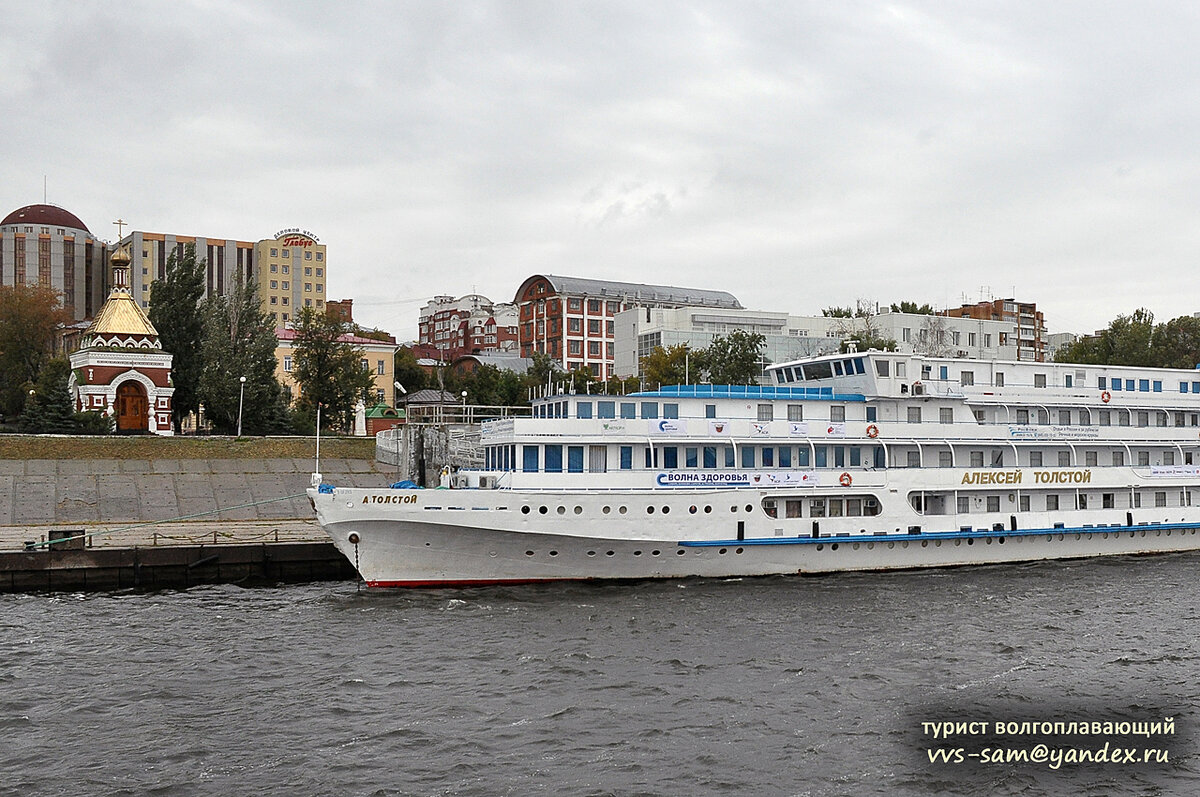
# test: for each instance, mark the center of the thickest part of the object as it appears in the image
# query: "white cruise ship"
(862, 461)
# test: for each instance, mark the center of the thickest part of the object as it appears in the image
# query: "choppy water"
(788, 686)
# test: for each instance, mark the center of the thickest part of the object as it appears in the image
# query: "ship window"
(1090, 459)
(963, 505)
(881, 368)
(943, 372)
(837, 368)
(976, 459)
(1102, 382)
(710, 456)
(1081, 501)
(839, 456)
(1052, 503)
(670, 410)
(1116, 384)
(1160, 499)
(606, 409)
(1105, 418)
(900, 369)
(796, 412)
(1161, 418)
(710, 410)
(1064, 417)
(768, 456)
(966, 378)
(554, 458)
(1108, 500)
(1035, 459)
(670, 457)
(1067, 381)
(1129, 384)
(626, 457)
(1064, 459)
(1039, 380)
(792, 508)
(998, 458)
(998, 379)
(730, 462)
(1143, 419)
(766, 412)
(1137, 500)
(993, 503)
(583, 409)
(837, 414)
(785, 456)
(802, 457)
(945, 459)
(855, 457)
(872, 414)
(914, 414)
(1118, 459)
(821, 457)
(813, 371)
(1123, 417)
(946, 415)
(1143, 458)
(628, 409)
(1183, 387)
(817, 508)
(1022, 416)
(1168, 457)
(575, 459)
(1024, 503)
(530, 463)
(1196, 387)
(649, 409)
(747, 456)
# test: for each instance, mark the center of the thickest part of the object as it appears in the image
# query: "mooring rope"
(148, 523)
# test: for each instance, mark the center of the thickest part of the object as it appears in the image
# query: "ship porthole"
(707, 510)
(524, 510)
(606, 509)
(610, 553)
(529, 553)
(562, 510)
(739, 550)
(680, 552)
(833, 547)
(655, 553)
(971, 541)
(542, 510)
(637, 553)
(749, 508)
(649, 510)
(591, 553)
(622, 510)
(353, 538)
(692, 509)
(578, 510)
(666, 510)
(554, 553)
(723, 551)
(820, 547)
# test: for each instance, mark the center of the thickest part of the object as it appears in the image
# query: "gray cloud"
(798, 155)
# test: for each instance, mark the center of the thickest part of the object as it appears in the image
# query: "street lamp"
(464, 398)
(404, 393)
(241, 395)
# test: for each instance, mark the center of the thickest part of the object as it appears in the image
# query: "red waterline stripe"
(500, 582)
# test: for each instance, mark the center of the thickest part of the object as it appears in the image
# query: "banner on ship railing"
(770, 478)
(668, 426)
(1174, 470)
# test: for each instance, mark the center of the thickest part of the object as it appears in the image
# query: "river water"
(774, 686)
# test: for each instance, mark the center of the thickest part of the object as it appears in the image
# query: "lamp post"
(241, 395)
(404, 393)
(464, 398)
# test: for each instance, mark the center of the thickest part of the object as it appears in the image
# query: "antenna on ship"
(316, 477)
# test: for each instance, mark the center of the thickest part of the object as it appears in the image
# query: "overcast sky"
(797, 154)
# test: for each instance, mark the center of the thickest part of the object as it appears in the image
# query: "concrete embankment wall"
(91, 491)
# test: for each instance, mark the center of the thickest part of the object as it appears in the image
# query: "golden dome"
(120, 257)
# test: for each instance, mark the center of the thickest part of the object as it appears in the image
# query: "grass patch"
(154, 447)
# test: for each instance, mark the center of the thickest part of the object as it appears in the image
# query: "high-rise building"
(47, 245)
(1028, 333)
(224, 260)
(573, 319)
(291, 273)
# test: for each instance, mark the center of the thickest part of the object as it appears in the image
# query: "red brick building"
(1029, 326)
(470, 324)
(571, 319)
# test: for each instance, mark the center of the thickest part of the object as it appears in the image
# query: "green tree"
(838, 312)
(736, 358)
(30, 319)
(239, 341)
(1126, 341)
(176, 312)
(865, 340)
(1176, 344)
(407, 371)
(543, 369)
(912, 307)
(50, 410)
(674, 365)
(328, 371)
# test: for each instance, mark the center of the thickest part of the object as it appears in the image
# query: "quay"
(168, 519)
